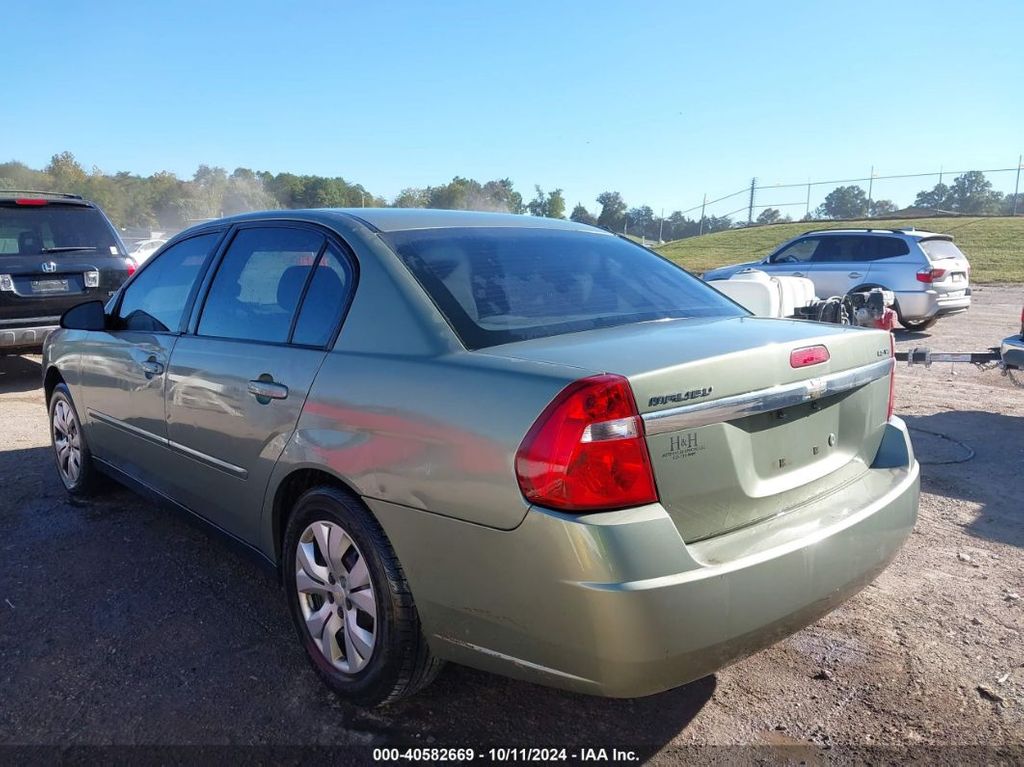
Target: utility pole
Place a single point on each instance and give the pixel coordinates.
(807, 213)
(1016, 187)
(871, 185)
(661, 227)
(750, 209)
(702, 206)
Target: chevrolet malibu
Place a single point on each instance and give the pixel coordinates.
(516, 443)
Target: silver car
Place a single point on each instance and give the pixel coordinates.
(929, 275)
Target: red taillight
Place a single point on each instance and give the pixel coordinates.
(586, 452)
(930, 275)
(808, 355)
(30, 201)
(132, 266)
(892, 377)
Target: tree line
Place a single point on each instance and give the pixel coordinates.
(162, 201)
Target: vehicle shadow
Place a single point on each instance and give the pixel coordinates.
(20, 374)
(465, 705)
(975, 456)
(163, 618)
(902, 334)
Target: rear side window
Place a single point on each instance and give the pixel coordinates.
(498, 285)
(54, 229)
(259, 284)
(857, 249)
(155, 300)
(325, 300)
(939, 249)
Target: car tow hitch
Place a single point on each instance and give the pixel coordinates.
(983, 360)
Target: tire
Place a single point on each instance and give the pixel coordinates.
(338, 591)
(71, 452)
(918, 325)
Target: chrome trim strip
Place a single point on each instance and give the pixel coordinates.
(764, 400)
(149, 436)
(32, 322)
(117, 423)
(216, 463)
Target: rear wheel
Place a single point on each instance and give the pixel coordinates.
(71, 451)
(350, 602)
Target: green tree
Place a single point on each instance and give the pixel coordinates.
(936, 198)
(882, 207)
(613, 211)
(67, 174)
(844, 202)
(550, 204)
(411, 198)
(972, 193)
(582, 216)
(770, 216)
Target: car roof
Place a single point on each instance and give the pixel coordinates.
(11, 195)
(401, 219)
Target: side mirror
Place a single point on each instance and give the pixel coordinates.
(87, 316)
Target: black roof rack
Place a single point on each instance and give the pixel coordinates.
(38, 193)
(854, 229)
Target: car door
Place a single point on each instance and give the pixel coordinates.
(237, 384)
(792, 259)
(124, 369)
(842, 263)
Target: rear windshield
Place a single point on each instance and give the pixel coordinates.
(31, 230)
(498, 285)
(939, 249)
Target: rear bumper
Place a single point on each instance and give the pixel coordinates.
(616, 604)
(24, 339)
(925, 304)
(1012, 352)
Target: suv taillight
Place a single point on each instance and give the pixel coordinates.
(929, 276)
(892, 377)
(130, 264)
(586, 451)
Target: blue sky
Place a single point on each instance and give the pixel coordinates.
(662, 101)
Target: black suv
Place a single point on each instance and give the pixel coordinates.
(56, 250)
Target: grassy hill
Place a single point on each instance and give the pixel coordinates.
(995, 246)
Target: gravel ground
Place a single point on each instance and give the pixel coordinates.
(123, 624)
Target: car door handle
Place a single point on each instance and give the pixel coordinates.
(151, 367)
(797, 274)
(264, 391)
(855, 275)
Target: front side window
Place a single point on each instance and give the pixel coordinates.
(259, 284)
(796, 253)
(156, 299)
(498, 285)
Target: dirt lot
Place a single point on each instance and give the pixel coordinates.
(120, 623)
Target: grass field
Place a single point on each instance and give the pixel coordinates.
(994, 246)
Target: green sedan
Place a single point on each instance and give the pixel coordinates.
(516, 443)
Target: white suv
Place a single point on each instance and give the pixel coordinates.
(928, 274)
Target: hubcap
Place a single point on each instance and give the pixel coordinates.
(336, 596)
(67, 442)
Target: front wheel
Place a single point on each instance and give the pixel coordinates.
(74, 460)
(350, 602)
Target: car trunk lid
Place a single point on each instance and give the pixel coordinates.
(735, 433)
